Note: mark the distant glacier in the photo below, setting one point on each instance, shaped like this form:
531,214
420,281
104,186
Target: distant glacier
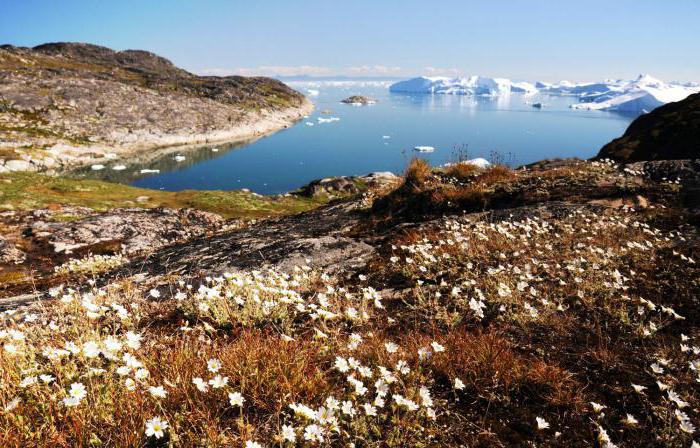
640,95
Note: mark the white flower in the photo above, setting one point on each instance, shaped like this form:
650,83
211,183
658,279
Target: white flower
637,388
91,349
28,381
133,340
437,348
402,367
391,347
597,407
47,378
154,293
200,383
130,384
657,368
159,391
459,385
686,426
252,444
341,364
425,397
76,393
369,409
12,404
214,365
218,381
288,433
630,420
141,374
541,423
313,433
155,427
347,408
236,399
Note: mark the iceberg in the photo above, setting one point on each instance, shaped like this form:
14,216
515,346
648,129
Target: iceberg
472,85
424,148
641,95
148,171
119,167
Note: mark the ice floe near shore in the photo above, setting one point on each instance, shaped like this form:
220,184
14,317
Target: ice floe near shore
640,95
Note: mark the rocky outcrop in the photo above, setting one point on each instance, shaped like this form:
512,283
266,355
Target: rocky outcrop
346,185
321,238
126,231
669,132
69,104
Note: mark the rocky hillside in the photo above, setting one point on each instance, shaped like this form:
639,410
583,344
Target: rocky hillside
73,103
669,132
552,306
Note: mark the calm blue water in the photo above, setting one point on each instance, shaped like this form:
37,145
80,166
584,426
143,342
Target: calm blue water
354,145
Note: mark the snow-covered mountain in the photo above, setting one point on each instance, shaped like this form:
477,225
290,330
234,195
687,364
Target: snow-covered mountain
640,95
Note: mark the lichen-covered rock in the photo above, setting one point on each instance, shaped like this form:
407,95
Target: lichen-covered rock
129,231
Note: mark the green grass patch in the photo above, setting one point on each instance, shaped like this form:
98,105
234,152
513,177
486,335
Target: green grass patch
27,191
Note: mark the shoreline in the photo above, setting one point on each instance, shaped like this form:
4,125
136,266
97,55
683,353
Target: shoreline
62,158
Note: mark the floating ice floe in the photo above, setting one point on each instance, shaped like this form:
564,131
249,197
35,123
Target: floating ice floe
312,92
424,148
215,150
386,137
308,123
148,171
119,167
327,120
179,158
97,167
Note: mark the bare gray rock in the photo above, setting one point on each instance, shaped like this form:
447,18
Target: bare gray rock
132,230
320,238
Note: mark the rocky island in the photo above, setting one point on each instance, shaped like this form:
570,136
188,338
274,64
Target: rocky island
359,100
70,104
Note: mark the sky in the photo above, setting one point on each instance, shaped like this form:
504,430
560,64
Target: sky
550,40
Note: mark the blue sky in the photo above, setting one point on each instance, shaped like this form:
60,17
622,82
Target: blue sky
529,39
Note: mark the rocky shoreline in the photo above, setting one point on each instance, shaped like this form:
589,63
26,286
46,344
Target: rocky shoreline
66,105
61,156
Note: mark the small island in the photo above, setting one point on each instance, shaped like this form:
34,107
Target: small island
359,99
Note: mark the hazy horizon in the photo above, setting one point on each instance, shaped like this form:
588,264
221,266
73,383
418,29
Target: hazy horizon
537,40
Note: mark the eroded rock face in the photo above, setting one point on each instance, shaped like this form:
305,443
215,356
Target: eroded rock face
128,231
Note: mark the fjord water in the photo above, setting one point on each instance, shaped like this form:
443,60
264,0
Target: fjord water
356,144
